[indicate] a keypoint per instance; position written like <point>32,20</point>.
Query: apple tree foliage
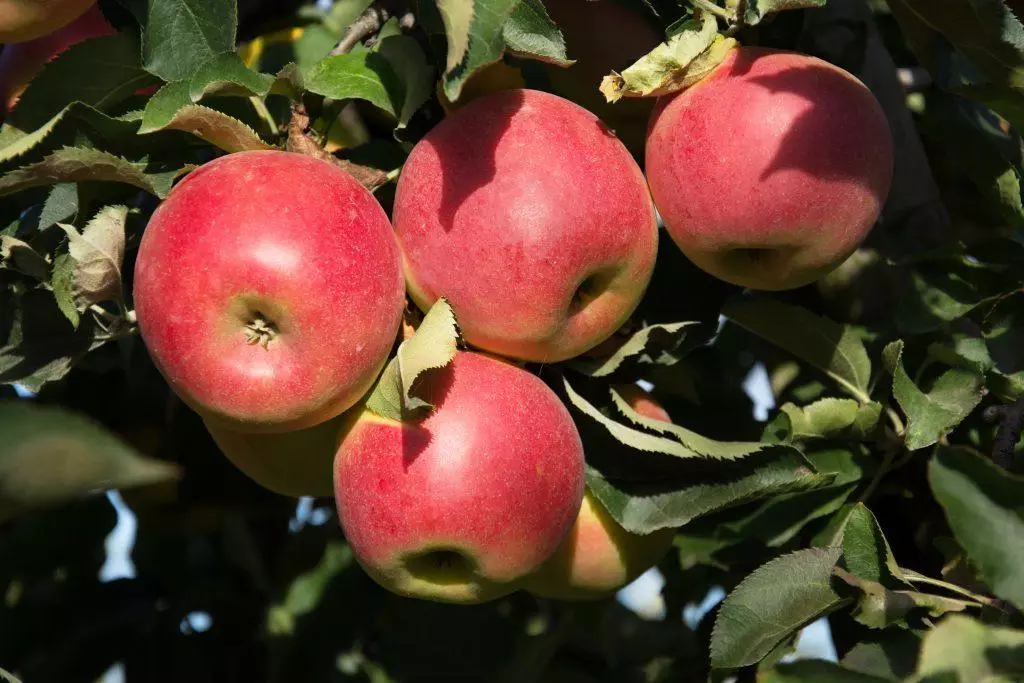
<point>882,490</point>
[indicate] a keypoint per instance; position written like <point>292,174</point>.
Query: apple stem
<point>370,22</point>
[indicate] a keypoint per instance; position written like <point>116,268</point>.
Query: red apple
<point>20,62</point>
<point>268,289</point>
<point>772,170</point>
<point>298,463</point>
<point>598,557</point>
<point>22,20</point>
<point>532,219</point>
<point>461,505</point>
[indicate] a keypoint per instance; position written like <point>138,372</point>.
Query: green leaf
<point>19,256</point>
<point>681,61</point>
<point>890,654</point>
<point>759,9</point>
<point>530,32</point>
<point>411,66</point>
<point>432,347</point>
<point>63,284</point>
<point>866,552</point>
<point>827,418</point>
<point>163,105</point>
<point>816,671</point>
<point>226,74</point>
<point>774,602</point>
<point>61,205</point>
<point>96,257</point>
<point>179,36</point>
<point>100,72</point>
<point>983,505</point>
<point>217,128</point>
<point>657,344</point>
<point>881,607</point>
<point>77,124</point>
<point>75,164</point>
<point>365,76</point>
<point>306,590</point>
<point>932,415</point>
<point>947,289</point>
<point>475,31</point>
<point>962,650</point>
<point>48,456</point>
<point>833,348</point>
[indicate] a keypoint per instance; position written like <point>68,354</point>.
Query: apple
<point>772,170</point>
<point>22,20</point>
<point>598,556</point>
<point>298,463</point>
<point>603,36</point>
<point>20,62</point>
<point>459,506</point>
<point>268,290</point>
<point>532,219</point>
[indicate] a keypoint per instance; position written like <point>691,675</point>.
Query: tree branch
<point>300,142</point>
<point>370,22</point>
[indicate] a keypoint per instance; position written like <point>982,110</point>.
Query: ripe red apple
<point>20,62</point>
<point>298,463</point>
<point>268,289</point>
<point>772,170</point>
<point>461,505</point>
<point>598,556</point>
<point>22,20</point>
<point>532,219</point>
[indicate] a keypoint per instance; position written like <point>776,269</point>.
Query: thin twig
<point>371,21</point>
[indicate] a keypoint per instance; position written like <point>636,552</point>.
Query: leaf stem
<point>261,108</point>
<point>713,8</point>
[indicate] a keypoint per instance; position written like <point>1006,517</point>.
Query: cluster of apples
<point>270,289</point>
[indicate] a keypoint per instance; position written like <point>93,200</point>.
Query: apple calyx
<point>260,331</point>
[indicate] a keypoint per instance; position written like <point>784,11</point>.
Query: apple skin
<point>20,62</point>
<point>532,219</point>
<point>296,464</point>
<point>257,239</point>
<point>460,506</point>
<point>598,556</point>
<point>22,20</point>
<point>772,170</point>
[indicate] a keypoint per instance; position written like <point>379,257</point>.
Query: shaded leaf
<point>475,30</point>
<point>816,671</point>
<point>410,65</point>
<point>829,346</point>
<point>217,128</point>
<point>49,455</point>
<point>983,506</point>
<point>656,344</point>
<point>433,346</point>
<point>891,654</point>
<point>827,418</point>
<point>61,205</point>
<point>866,552</point>
<point>759,9</point>
<point>306,590</point>
<point>63,283</point>
<point>776,600</point>
<point>19,256</point>
<point>365,75</point>
<point>881,607</point>
<point>72,164</point>
<point>962,650</point>
<point>226,74</point>
<point>932,415</point>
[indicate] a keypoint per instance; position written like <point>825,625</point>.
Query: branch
<point>300,142</point>
<point>370,22</point>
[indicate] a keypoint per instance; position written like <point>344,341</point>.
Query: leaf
<point>63,284</point>
<point>61,205</point>
<point>530,32</point>
<point>72,164</point>
<point>97,255</point>
<point>881,607</point>
<point>675,65</point>
<point>19,256</point>
<point>432,347</point>
<point>226,74</point>
<point>816,671</point>
<point>365,75</point>
<point>759,9</point>
<point>931,416</point>
<point>656,344</point>
<point>948,289</point>
<point>101,72</point>
<point>833,348</point>
<point>775,601</point>
<point>49,455</point>
<point>306,590</point>
<point>890,654</point>
<point>179,36</point>
<point>475,37</point>
<point>866,553</point>
<point>78,124</point>
<point>962,650</point>
<point>163,105</point>
<point>8,677</point>
<point>829,418</point>
<point>410,65</point>
<point>219,129</point>
<point>983,506</point>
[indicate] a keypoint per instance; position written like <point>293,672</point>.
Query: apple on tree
<point>268,289</point>
<point>527,213</point>
<point>598,556</point>
<point>21,61</point>
<point>461,505</point>
<point>772,170</point>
